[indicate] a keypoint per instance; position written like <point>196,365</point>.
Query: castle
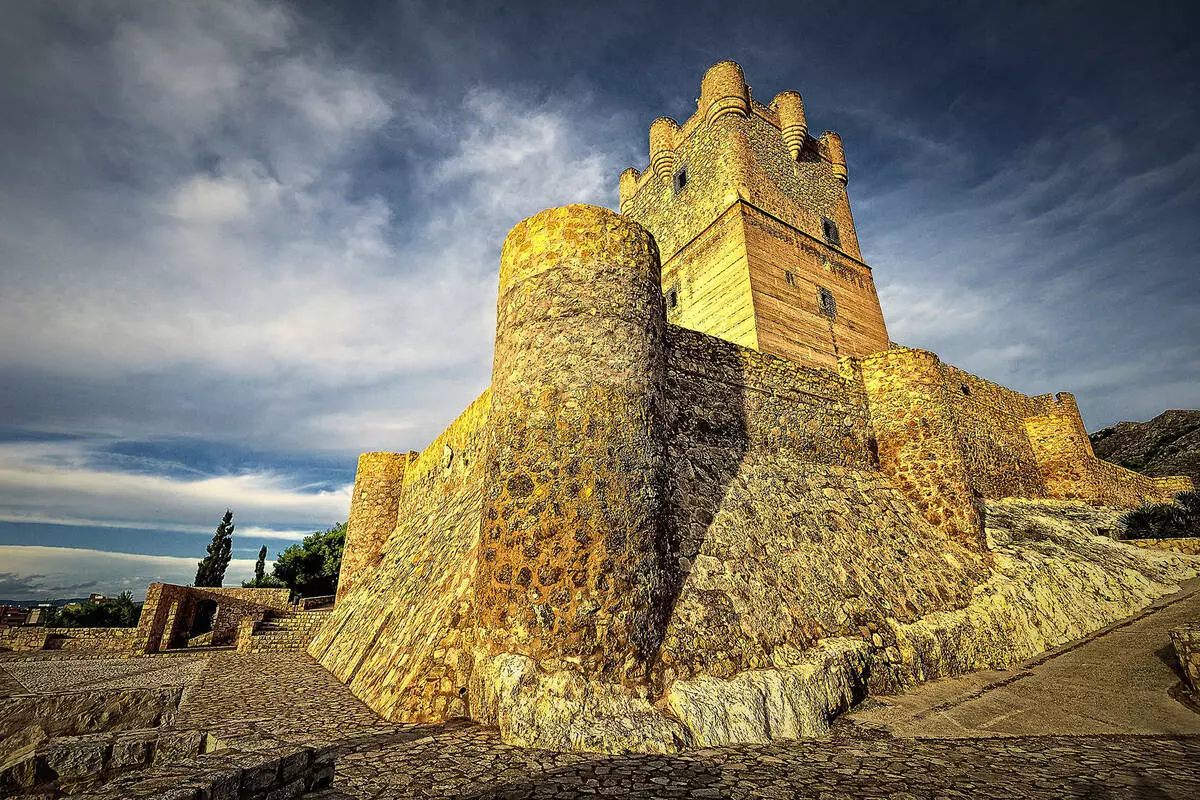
<point>701,471</point>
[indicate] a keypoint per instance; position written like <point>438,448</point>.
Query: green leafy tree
<point>211,570</point>
<point>123,612</point>
<point>311,568</point>
<point>120,612</point>
<point>260,566</point>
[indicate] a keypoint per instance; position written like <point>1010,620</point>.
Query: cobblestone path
<point>303,703</point>
<point>44,677</point>
<point>473,763</point>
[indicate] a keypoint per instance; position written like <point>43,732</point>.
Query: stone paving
<point>42,677</point>
<point>294,698</point>
<point>473,763</point>
<point>379,760</point>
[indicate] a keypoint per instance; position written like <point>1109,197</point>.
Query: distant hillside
<point>1169,444</point>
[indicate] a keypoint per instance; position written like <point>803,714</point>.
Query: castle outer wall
<point>729,505</point>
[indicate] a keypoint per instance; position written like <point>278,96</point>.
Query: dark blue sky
<point>243,241</point>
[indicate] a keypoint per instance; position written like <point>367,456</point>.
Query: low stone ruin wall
<point>86,712</point>
<point>170,611</point>
<point>147,762</point>
<point>107,640</point>
<point>23,640</point>
<point>1189,545</point>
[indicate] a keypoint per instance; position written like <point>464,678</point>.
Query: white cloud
<point>52,482</point>
<point>256,252</point>
<point>46,573</point>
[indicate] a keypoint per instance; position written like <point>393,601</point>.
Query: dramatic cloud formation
<point>243,241</point>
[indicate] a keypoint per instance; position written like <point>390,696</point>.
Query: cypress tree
<point>260,566</point>
<point>211,570</point>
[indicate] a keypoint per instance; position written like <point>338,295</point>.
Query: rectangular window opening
<point>672,298</point>
<point>830,230</point>
<point>825,302</point>
<point>681,178</point>
<point>789,277</point>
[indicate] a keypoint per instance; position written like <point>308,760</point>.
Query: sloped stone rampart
<point>398,639</point>
<point>783,531</point>
<point>790,701</point>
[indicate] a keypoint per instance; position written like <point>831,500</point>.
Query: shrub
<point>1189,502</point>
<point>1163,520</point>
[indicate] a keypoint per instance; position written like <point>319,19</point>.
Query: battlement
<point>753,223</point>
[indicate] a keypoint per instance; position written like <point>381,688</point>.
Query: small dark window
<point>681,178</point>
<point>965,389</point>
<point>831,231</point>
<point>672,297</point>
<point>826,303</point>
<point>789,277</point>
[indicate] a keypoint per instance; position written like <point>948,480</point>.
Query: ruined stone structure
<point>704,490</point>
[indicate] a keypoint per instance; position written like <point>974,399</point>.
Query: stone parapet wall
<point>1071,471</point>
<point>24,639</point>
<point>1188,545</point>
<point>91,639</point>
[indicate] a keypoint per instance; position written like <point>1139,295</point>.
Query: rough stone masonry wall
<point>378,483</point>
<point>990,423</point>
<point>1071,471</point>
<point>73,639</point>
<point>170,609</point>
<point>783,528</point>
<point>24,639</point>
<point>571,560</point>
<point>1188,545</point>
<point>400,637</point>
<point>918,444</point>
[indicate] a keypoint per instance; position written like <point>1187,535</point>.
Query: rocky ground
<point>1169,444</point>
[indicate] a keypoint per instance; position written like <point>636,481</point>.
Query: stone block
<point>1187,649</point>
<point>72,757</point>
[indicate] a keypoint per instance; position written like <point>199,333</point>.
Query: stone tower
<point>754,227</point>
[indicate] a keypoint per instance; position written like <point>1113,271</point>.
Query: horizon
<point>244,242</point>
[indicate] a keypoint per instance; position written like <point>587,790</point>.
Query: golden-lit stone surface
<point>699,504</point>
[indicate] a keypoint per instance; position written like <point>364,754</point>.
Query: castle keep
<point>703,489</point>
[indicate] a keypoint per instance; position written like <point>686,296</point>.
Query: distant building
<point>12,616</point>
<point>98,599</point>
<point>40,613</point>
